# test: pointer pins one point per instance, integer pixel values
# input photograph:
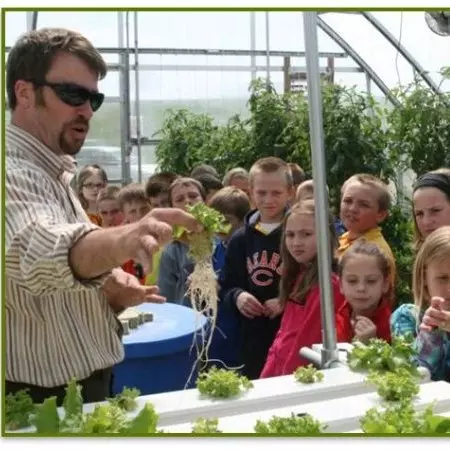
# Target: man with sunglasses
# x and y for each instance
(63, 285)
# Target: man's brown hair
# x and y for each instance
(32, 55)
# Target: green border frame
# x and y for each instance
(3, 210)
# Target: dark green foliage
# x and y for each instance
(360, 135)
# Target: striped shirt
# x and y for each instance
(57, 327)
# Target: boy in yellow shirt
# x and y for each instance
(365, 202)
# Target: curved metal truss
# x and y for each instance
(32, 21)
(125, 51)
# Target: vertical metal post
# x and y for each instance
(371, 112)
(253, 43)
(32, 17)
(137, 106)
(124, 87)
(267, 48)
(329, 352)
(287, 74)
(368, 83)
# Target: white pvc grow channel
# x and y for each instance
(267, 394)
(341, 415)
(339, 401)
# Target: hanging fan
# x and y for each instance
(438, 22)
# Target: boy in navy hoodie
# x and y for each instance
(252, 268)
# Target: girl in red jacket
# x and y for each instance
(299, 297)
(364, 275)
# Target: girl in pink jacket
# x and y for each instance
(299, 297)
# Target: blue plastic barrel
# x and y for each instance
(158, 354)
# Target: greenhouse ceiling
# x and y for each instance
(216, 54)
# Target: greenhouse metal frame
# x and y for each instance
(312, 22)
(128, 50)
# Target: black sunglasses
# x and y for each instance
(73, 94)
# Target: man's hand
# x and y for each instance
(123, 290)
(437, 315)
(99, 251)
(154, 230)
(272, 308)
(249, 306)
(364, 329)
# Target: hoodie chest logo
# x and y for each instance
(261, 269)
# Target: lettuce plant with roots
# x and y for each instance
(202, 289)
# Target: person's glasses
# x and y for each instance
(73, 94)
(93, 185)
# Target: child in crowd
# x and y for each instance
(157, 189)
(108, 206)
(175, 264)
(431, 204)
(134, 206)
(298, 175)
(211, 184)
(200, 169)
(90, 180)
(133, 202)
(432, 284)
(306, 190)
(406, 318)
(234, 205)
(253, 264)
(299, 291)
(237, 177)
(364, 278)
(365, 202)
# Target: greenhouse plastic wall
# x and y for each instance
(218, 83)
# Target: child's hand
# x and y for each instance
(437, 315)
(272, 308)
(364, 329)
(249, 306)
(188, 280)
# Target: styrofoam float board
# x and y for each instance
(269, 393)
(341, 415)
